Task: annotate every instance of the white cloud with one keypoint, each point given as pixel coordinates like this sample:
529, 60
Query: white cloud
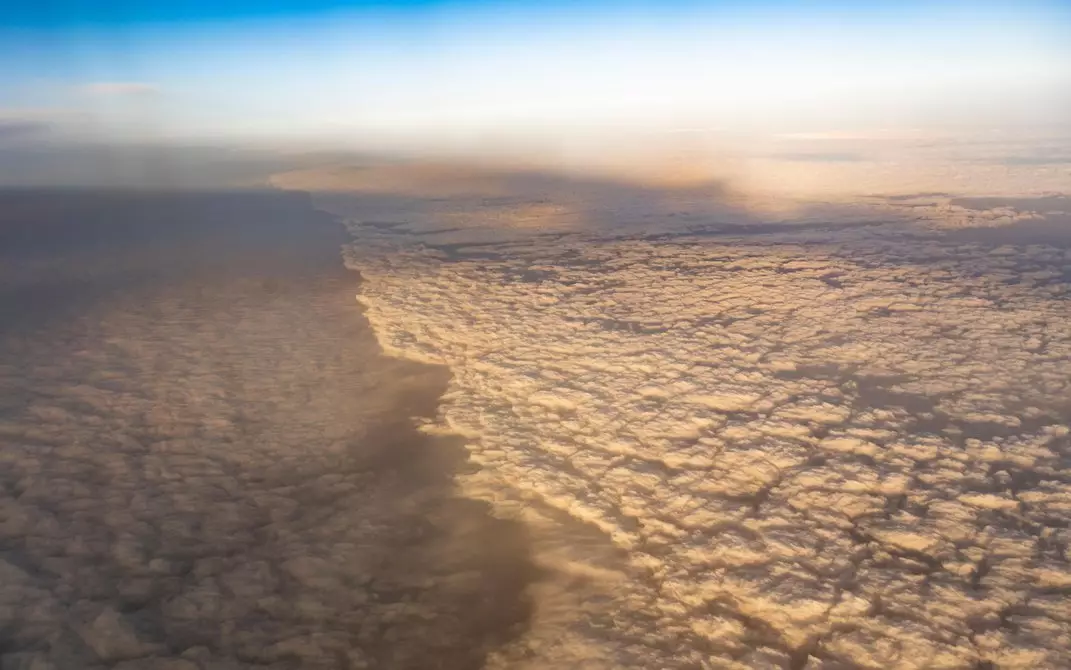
119, 88
810, 466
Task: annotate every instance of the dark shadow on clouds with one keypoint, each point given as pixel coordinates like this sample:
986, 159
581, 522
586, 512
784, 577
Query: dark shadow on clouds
1042, 204
208, 462
459, 197
20, 129
27, 160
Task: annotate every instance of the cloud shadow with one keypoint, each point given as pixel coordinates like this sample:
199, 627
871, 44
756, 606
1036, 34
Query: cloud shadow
208, 461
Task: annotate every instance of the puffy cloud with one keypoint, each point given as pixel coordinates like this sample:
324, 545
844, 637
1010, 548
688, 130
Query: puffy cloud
727, 442
839, 446
207, 464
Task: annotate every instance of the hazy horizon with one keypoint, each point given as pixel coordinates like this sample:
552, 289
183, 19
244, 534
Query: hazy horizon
476, 78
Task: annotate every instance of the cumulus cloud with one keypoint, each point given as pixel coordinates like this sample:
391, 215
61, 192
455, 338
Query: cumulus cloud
733, 443
818, 447
207, 464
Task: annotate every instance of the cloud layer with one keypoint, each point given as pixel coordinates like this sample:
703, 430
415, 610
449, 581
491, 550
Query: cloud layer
206, 462
828, 447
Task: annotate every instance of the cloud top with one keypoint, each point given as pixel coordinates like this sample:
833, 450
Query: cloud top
820, 446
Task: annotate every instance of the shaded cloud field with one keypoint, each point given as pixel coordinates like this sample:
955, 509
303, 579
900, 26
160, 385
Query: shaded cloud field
208, 463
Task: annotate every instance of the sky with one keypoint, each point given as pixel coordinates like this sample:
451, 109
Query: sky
423, 73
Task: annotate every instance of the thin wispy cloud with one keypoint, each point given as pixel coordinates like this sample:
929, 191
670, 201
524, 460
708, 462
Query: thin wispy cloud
819, 157
120, 88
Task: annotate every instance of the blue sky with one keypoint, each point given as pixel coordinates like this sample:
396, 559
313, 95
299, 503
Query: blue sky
397, 73
62, 13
